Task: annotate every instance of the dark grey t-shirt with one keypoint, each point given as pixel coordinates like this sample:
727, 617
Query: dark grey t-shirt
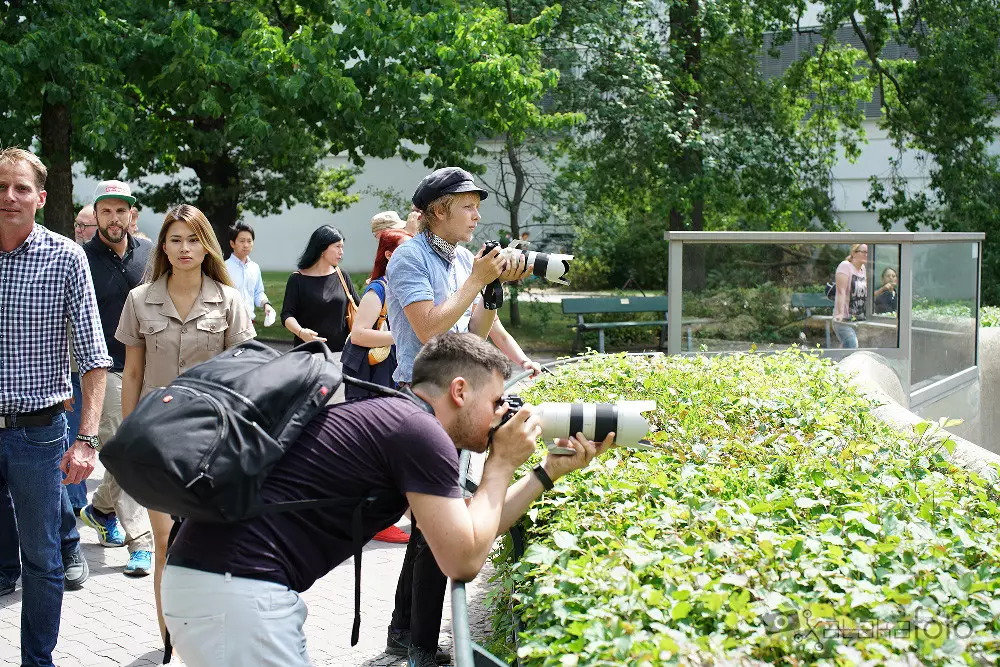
346, 451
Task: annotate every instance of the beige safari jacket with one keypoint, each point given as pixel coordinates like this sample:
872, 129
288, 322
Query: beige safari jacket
218, 320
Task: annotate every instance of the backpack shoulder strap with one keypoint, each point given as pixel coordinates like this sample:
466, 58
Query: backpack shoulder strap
357, 535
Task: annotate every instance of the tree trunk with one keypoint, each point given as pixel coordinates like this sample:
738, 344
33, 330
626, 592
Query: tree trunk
219, 199
514, 211
56, 133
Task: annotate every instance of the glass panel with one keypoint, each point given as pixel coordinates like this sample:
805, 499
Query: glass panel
772, 296
945, 277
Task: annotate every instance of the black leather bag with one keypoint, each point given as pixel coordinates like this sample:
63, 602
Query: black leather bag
201, 447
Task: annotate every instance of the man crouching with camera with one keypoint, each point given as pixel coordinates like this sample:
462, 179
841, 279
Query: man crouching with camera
231, 591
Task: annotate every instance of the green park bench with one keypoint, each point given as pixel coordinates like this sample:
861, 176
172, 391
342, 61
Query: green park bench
581, 306
811, 301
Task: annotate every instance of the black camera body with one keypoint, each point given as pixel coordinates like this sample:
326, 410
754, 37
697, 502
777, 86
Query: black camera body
552, 267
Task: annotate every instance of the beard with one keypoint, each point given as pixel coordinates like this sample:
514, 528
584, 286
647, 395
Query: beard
468, 435
109, 233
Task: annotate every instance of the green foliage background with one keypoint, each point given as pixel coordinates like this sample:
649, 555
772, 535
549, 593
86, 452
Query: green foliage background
773, 503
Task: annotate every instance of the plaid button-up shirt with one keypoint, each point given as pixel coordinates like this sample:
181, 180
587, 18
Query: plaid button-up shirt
44, 282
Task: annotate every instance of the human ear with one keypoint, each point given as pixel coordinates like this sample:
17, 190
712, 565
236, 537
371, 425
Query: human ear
458, 390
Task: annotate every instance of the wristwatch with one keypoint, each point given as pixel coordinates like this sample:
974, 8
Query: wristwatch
93, 441
543, 477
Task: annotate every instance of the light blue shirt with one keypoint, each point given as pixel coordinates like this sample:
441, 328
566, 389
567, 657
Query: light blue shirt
248, 281
417, 273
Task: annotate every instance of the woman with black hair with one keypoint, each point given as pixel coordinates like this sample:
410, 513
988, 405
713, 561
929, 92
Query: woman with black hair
316, 295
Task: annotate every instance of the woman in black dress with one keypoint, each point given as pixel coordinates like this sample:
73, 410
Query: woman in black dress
315, 306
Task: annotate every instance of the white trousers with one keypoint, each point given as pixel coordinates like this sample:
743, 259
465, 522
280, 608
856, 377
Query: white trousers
219, 619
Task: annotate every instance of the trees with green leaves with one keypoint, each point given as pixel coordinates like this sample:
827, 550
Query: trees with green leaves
684, 131
252, 96
944, 102
61, 90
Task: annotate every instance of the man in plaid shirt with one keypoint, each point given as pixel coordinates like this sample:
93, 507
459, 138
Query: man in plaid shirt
44, 281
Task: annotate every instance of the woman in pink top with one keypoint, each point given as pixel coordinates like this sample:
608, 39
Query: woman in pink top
852, 292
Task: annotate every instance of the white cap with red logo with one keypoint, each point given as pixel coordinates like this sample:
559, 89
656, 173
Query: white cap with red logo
113, 190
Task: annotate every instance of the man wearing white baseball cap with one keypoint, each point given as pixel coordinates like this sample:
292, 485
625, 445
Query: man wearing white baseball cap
117, 262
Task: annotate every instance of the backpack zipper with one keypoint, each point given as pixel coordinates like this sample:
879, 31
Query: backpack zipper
220, 434
235, 394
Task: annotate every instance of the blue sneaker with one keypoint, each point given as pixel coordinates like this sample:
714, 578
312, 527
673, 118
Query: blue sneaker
140, 564
109, 531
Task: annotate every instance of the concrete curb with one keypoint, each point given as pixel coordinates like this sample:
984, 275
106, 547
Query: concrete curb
989, 378
872, 374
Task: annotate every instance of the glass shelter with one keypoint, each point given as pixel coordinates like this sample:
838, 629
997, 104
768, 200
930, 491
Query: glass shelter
913, 298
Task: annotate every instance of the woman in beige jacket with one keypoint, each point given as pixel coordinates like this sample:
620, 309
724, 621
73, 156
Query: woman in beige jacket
184, 313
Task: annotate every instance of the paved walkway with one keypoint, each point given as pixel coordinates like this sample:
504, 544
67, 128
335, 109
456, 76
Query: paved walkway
112, 621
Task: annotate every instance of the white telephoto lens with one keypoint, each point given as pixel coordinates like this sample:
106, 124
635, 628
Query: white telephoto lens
632, 426
596, 420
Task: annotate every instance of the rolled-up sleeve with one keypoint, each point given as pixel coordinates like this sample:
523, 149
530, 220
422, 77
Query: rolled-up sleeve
128, 331
409, 278
89, 347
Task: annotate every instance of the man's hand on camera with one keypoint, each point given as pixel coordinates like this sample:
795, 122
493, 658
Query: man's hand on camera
516, 269
487, 267
557, 465
514, 442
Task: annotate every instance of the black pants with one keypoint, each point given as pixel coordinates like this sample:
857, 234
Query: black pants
420, 593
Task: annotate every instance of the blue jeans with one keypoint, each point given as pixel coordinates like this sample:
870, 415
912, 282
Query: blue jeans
29, 468
10, 557
847, 334
77, 492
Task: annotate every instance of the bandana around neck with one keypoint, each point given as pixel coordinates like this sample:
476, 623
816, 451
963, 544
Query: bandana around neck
447, 251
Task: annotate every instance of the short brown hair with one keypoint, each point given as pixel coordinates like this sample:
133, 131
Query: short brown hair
13, 155
450, 355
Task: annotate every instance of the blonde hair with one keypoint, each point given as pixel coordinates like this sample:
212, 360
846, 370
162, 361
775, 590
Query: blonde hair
854, 249
212, 266
14, 155
442, 205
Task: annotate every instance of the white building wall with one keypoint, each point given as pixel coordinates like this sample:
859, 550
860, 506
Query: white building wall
282, 237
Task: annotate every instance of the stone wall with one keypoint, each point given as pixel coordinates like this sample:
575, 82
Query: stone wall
874, 376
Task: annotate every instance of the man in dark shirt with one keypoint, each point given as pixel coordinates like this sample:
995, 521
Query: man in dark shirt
117, 262
231, 591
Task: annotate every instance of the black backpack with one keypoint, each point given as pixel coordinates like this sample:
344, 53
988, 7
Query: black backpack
201, 447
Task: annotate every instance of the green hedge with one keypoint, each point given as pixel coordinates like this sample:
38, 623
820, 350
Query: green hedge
989, 316
775, 519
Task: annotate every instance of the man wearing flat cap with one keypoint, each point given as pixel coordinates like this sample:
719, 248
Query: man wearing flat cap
435, 285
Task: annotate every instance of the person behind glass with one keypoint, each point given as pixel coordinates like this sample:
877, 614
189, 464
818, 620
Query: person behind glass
851, 295
886, 299
245, 273
186, 312
315, 306
371, 312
